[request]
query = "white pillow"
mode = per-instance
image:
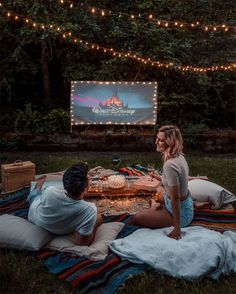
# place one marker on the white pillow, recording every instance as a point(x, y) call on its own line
point(18, 233)
point(206, 191)
point(98, 250)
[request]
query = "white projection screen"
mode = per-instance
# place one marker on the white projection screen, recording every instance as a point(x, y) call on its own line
point(119, 103)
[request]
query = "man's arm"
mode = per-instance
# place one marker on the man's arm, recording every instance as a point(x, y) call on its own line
point(81, 240)
point(86, 240)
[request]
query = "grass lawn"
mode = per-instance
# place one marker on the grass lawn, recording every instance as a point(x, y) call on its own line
point(20, 272)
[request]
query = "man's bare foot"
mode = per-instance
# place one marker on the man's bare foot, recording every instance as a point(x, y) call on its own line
point(40, 181)
point(155, 205)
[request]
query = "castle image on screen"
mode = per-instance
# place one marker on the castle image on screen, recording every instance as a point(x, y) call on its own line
point(94, 102)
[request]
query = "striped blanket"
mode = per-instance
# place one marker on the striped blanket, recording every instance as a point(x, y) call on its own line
point(106, 276)
point(219, 220)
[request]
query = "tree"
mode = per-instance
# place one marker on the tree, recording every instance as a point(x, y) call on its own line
point(39, 64)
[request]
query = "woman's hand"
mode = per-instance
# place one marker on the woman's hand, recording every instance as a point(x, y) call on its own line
point(155, 175)
point(175, 234)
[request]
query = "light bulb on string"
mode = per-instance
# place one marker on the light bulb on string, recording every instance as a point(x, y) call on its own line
point(144, 60)
point(151, 18)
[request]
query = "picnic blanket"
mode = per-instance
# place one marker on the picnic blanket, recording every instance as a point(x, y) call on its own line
point(104, 276)
point(133, 170)
point(218, 220)
point(200, 252)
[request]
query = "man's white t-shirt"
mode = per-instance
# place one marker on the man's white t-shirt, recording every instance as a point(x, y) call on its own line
point(54, 211)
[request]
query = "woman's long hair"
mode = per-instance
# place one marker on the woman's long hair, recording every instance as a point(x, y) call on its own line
point(173, 139)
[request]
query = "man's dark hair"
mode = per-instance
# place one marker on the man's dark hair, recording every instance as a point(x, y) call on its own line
point(75, 179)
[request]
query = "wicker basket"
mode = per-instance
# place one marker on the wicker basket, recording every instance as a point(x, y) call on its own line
point(17, 175)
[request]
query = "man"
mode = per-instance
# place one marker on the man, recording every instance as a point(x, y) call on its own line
point(63, 211)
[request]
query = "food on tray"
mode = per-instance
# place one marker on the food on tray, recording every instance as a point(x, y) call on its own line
point(146, 183)
point(116, 181)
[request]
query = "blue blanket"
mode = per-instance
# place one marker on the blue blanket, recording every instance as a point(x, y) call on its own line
point(200, 252)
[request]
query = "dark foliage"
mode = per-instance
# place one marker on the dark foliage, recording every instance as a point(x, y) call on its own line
point(37, 66)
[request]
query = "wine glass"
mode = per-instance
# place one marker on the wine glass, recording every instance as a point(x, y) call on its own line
point(151, 167)
point(116, 161)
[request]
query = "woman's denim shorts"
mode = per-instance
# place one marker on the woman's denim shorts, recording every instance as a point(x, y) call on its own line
point(186, 213)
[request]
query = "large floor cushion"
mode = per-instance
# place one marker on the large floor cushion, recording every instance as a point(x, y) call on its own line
point(206, 191)
point(98, 250)
point(18, 233)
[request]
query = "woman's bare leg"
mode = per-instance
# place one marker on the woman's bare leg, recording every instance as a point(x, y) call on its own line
point(153, 218)
point(160, 196)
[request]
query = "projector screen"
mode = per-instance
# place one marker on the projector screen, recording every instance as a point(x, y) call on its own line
point(120, 103)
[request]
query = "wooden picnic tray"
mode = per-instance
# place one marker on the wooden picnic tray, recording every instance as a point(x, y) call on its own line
point(124, 192)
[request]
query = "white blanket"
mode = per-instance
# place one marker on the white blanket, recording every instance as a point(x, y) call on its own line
point(200, 251)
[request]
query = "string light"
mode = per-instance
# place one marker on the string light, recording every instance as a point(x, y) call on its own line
point(113, 52)
point(160, 22)
point(70, 4)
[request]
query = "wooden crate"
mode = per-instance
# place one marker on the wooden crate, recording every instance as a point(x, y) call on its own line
point(17, 175)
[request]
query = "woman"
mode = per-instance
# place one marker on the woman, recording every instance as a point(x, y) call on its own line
point(178, 209)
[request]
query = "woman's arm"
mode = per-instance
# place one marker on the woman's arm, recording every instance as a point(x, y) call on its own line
point(174, 193)
point(155, 175)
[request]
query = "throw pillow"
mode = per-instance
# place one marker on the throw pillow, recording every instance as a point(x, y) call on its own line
point(98, 250)
point(18, 233)
point(206, 191)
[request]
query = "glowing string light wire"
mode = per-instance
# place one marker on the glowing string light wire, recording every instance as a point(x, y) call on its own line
point(110, 51)
point(153, 19)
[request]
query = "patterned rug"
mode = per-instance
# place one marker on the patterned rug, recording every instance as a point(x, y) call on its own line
point(104, 277)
